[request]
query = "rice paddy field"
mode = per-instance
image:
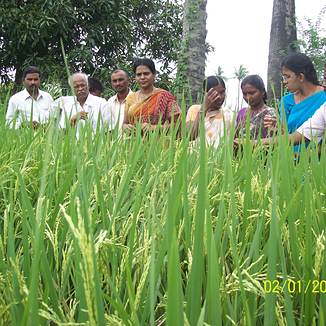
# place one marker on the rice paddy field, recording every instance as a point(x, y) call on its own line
point(132, 230)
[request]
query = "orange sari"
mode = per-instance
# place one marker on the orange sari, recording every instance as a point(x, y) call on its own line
point(160, 105)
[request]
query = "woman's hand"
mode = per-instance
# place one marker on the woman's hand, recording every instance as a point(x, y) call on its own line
point(239, 142)
point(270, 122)
point(146, 127)
point(128, 128)
point(210, 99)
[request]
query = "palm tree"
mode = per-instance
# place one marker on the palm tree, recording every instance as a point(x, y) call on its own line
point(283, 39)
point(239, 74)
point(191, 64)
point(220, 72)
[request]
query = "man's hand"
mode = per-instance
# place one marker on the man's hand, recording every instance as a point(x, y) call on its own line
point(35, 124)
point(82, 115)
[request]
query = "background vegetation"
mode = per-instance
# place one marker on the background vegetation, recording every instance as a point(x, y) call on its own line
point(98, 35)
point(312, 40)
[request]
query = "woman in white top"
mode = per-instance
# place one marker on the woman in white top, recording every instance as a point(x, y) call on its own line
point(313, 128)
point(216, 119)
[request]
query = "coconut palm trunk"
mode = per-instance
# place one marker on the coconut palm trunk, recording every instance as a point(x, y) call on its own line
point(283, 38)
point(191, 65)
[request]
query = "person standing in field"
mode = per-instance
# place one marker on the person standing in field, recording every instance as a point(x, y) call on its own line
point(305, 97)
point(150, 105)
point(31, 106)
point(313, 128)
point(216, 119)
point(84, 107)
point(255, 95)
point(117, 103)
point(95, 86)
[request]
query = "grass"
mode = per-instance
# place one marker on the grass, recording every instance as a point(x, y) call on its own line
point(112, 230)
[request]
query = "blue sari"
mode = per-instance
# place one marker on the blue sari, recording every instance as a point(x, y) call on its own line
point(297, 114)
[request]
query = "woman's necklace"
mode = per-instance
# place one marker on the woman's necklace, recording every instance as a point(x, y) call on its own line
point(143, 96)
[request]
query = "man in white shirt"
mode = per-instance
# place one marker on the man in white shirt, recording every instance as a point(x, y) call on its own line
point(31, 105)
point(120, 83)
point(84, 107)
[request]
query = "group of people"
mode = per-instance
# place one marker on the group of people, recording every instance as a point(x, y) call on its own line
point(302, 111)
point(148, 106)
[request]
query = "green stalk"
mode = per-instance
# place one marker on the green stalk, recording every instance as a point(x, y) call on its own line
point(196, 277)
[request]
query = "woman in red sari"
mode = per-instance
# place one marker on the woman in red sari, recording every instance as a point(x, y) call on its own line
point(149, 105)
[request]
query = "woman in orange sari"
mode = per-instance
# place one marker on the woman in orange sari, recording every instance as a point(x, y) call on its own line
point(149, 105)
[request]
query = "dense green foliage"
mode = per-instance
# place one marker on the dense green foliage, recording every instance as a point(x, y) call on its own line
point(312, 40)
point(98, 35)
point(138, 231)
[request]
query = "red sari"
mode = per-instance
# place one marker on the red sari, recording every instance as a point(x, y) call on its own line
point(161, 104)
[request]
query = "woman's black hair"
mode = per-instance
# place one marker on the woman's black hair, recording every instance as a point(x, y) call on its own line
point(144, 62)
point(257, 82)
point(211, 82)
point(299, 63)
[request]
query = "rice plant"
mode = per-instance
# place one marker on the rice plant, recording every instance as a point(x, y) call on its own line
point(118, 229)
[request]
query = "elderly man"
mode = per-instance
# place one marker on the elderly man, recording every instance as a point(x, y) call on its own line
point(120, 83)
point(84, 107)
point(31, 105)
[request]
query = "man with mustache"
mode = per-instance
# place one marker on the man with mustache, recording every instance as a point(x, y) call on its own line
point(84, 107)
point(31, 106)
point(120, 84)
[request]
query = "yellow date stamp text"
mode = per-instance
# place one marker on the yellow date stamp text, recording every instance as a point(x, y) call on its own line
point(294, 286)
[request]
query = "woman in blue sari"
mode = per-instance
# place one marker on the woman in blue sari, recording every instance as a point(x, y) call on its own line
point(305, 97)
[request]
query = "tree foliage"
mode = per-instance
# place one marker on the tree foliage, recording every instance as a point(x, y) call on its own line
point(240, 73)
point(312, 41)
point(220, 73)
point(98, 35)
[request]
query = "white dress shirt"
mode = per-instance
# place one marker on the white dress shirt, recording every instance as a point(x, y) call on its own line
point(118, 108)
point(22, 107)
point(315, 126)
point(96, 107)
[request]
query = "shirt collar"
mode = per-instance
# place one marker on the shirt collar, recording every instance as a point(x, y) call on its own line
point(27, 95)
point(88, 102)
point(116, 96)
